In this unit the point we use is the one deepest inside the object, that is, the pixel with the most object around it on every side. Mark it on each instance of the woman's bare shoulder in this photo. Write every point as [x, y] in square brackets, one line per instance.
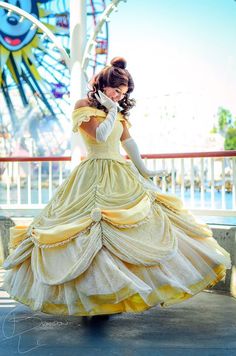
[81, 103]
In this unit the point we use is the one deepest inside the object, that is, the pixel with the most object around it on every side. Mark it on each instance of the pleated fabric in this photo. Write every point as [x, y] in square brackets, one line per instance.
[109, 241]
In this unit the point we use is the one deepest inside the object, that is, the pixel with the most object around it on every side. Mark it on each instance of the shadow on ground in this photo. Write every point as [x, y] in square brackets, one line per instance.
[203, 325]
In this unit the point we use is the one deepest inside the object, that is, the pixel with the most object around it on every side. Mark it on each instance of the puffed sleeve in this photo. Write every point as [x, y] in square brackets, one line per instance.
[84, 114]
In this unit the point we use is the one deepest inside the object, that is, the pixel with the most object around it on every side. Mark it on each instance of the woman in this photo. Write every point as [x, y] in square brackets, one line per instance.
[109, 241]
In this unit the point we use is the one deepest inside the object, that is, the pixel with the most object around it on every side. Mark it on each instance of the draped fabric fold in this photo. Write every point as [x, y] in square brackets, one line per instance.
[146, 250]
[109, 241]
[84, 249]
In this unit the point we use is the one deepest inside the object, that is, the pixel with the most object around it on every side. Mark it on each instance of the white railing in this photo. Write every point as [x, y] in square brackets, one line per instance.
[29, 182]
[205, 181]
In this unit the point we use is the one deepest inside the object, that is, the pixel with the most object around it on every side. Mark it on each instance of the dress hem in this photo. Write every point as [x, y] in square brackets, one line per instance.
[135, 303]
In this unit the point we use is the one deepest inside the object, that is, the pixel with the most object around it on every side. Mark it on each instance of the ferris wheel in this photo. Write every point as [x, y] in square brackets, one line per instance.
[34, 73]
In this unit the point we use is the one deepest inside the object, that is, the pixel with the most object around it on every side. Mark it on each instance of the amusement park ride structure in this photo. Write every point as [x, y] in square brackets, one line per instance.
[35, 63]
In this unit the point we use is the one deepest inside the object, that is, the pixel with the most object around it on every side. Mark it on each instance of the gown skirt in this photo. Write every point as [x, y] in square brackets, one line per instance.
[108, 242]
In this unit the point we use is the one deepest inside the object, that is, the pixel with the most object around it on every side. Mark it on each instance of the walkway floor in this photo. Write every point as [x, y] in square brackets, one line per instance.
[202, 326]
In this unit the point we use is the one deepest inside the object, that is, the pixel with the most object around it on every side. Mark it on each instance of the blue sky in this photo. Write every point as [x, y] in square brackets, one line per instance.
[178, 45]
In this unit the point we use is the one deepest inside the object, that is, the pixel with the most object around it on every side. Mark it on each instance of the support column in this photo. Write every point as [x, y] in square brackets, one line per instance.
[78, 85]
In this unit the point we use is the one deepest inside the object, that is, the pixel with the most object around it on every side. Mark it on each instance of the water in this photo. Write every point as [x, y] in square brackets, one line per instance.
[207, 199]
[230, 220]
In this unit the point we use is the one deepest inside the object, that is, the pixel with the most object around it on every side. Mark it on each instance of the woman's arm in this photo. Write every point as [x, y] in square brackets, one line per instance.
[125, 133]
[132, 150]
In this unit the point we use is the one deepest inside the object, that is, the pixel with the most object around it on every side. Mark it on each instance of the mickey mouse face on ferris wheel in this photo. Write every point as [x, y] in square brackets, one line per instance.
[16, 34]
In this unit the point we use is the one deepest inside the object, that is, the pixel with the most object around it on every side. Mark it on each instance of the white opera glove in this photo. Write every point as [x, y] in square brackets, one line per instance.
[132, 150]
[105, 128]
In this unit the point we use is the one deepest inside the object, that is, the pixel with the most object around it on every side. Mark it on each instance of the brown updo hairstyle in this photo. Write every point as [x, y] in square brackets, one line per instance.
[113, 76]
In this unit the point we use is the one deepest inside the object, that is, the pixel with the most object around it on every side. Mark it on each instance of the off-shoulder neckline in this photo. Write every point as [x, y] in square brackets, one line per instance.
[97, 112]
[94, 109]
[87, 107]
[88, 110]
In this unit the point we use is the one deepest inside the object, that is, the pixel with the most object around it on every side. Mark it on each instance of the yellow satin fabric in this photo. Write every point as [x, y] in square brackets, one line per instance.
[17, 235]
[105, 150]
[107, 243]
[106, 186]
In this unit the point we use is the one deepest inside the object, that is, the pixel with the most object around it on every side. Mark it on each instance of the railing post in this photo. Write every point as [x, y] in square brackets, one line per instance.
[202, 182]
[172, 176]
[29, 183]
[223, 184]
[182, 179]
[234, 183]
[212, 182]
[10, 176]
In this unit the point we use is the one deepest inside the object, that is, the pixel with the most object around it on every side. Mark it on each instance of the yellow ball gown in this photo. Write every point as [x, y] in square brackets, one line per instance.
[110, 242]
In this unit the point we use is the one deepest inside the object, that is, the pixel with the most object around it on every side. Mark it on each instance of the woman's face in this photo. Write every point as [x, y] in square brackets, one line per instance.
[116, 94]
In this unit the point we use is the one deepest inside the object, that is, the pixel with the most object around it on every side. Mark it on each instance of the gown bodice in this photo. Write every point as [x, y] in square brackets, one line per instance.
[104, 150]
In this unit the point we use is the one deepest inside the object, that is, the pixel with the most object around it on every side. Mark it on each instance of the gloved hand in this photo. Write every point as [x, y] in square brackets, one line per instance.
[132, 150]
[105, 101]
[105, 128]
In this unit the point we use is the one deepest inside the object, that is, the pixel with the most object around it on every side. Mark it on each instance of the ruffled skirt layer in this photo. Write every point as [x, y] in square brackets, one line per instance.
[109, 242]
